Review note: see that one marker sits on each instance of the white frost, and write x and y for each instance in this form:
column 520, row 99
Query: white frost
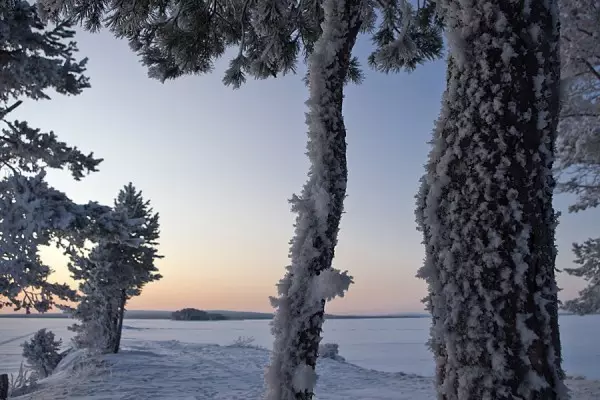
column 305, row 378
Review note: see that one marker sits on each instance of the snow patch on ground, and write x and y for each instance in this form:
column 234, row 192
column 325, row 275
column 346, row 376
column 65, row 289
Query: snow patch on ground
column 182, row 371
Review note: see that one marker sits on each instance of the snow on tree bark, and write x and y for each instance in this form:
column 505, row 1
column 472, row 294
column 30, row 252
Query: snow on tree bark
column 486, row 205
column 300, row 306
column 271, row 37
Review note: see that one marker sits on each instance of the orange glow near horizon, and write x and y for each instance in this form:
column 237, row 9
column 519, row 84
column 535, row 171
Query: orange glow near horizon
column 248, row 289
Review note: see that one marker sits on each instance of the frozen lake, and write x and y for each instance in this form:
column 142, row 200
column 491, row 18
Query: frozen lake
column 389, row 345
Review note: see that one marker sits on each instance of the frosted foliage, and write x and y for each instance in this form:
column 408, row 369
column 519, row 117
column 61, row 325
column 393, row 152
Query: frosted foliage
column 579, row 129
column 38, row 59
column 181, row 37
column 578, row 146
column 34, row 215
column 114, row 272
column 587, row 257
column 485, row 205
column 42, row 353
column 96, row 315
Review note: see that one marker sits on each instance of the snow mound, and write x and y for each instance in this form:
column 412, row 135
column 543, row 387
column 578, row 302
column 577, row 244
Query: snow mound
column 134, row 328
column 178, row 371
column 330, row 350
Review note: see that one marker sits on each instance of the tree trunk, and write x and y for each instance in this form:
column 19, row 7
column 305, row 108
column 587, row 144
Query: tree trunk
column 300, row 307
column 110, row 327
column 487, row 208
column 122, row 302
column 4, row 386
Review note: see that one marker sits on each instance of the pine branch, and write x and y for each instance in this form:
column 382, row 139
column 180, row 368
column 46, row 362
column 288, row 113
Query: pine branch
column 10, row 109
column 591, row 68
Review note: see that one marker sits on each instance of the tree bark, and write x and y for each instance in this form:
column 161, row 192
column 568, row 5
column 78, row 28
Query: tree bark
column 4, row 386
column 300, row 310
column 119, row 331
column 487, row 206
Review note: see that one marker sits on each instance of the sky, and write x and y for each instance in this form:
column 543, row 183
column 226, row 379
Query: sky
column 220, row 164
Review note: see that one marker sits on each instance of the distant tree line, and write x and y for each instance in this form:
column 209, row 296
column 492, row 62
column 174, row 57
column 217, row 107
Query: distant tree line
column 193, row 314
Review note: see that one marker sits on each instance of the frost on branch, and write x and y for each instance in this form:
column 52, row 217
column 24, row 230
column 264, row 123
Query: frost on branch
column 114, row 272
column 35, row 59
column 182, row 37
column 42, row 353
column 485, row 205
column 588, row 258
column 332, row 283
column 578, row 145
column 34, row 215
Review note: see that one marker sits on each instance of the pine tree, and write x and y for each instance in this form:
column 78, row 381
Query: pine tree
column 42, row 353
column 33, row 60
column 587, row 256
column 181, row 37
column 578, row 145
column 115, row 272
column 485, row 205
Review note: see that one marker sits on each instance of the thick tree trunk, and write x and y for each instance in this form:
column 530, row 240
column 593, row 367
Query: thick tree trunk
column 4, row 386
column 300, row 306
column 487, row 205
column 121, row 315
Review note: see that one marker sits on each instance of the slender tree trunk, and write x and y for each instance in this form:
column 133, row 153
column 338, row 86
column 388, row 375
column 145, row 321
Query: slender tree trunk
column 110, row 327
column 487, row 205
column 121, row 314
column 300, row 306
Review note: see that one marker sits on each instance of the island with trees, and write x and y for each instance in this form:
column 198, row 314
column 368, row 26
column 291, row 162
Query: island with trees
column 193, row 314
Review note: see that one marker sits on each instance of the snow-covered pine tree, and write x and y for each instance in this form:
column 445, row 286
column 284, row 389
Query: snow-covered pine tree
column 35, row 59
column 113, row 273
column 485, row 206
column 587, row 256
column 95, row 314
column 185, row 37
column 578, row 145
column 42, row 353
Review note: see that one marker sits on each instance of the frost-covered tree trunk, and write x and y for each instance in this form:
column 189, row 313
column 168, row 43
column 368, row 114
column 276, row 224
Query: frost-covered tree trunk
column 435, row 298
column 303, row 291
column 486, row 204
column 119, row 328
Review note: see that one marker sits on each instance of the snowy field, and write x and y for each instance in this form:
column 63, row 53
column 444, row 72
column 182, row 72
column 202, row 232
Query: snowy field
column 385, row 359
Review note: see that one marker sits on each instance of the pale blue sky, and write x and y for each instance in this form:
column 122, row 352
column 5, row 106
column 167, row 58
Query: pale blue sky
column 219, row 166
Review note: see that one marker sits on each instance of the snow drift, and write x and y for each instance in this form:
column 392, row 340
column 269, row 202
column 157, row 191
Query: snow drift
column 176, row 370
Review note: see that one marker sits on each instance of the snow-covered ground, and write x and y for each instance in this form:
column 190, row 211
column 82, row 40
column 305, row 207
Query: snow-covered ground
column 175, row 370
column 386, row 359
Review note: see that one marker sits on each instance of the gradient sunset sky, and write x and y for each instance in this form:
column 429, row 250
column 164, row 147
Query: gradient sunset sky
column 219, row 166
